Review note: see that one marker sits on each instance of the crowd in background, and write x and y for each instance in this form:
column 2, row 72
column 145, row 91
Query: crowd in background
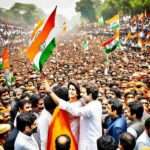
column 121, row 78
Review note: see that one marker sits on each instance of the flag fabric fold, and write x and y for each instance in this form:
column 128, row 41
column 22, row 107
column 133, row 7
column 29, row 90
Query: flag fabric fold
column 112, row 46
column 37, row 27
column 60, row 125
column 4, row 60
column 42, row 56
column 113, row 22
column 41, row 48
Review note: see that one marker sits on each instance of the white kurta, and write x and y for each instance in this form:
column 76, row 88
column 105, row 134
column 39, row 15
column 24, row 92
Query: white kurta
column 90, row 122
column 24, row 142
column 43, row 123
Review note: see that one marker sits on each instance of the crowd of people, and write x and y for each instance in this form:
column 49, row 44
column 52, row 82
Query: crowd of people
column 106, row 96
column 13, row 36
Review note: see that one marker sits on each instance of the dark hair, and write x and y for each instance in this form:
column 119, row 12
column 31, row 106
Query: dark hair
column 106, row 142
column 4, row 90
column 91, row 89
column 25, row 119
column 147, row 123
column 49, row 104
column 65, row 145
column 25, row 95
column 61, row 92
column 76, row 87
column 137, row 109
column 127, row 141
column 116, row 105
column 34, row 100
column 22, row 102
column 117, row 92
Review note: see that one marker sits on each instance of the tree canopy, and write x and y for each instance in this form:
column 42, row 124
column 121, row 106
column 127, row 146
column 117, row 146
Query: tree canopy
column 89, row 9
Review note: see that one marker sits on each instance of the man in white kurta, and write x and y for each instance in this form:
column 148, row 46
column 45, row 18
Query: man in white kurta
column 43, row 123
column 24, row 142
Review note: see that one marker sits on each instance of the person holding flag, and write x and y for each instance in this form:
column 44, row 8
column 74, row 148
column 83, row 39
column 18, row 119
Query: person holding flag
column 90, row 114
column 63, row 122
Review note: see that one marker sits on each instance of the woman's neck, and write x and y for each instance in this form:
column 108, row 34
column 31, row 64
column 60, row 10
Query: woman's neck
column 73, row 99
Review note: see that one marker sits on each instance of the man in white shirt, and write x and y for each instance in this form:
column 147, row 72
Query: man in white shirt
column 44, row 120
column 90, row 115
column 26, row 126
column 144, row 139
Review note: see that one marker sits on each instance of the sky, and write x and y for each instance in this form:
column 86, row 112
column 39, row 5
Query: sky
column 65, row 7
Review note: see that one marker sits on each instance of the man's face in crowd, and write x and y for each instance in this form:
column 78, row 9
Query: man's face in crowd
column 130, row 117
column 109, row 111
column 130, row 98
column 5, row 98
column 18, row 94
column 29, row 130
column 84, row 95
column 110, row 95
column 27, row 107
column 40, row 105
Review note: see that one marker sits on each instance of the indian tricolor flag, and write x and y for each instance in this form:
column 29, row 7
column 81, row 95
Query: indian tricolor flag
column 110, row 45
column 44, row 43
column 4, row 59
column 113, row 22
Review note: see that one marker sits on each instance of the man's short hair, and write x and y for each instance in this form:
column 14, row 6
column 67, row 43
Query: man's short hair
column 25, row 119
column 22, row 102
column 34, row 100
column 106, row 142
column 63, row 142
column 127, row 141
column 49, row 104
column 91, row 89
column 116, row 105
column 147, row 123
column 137, row 109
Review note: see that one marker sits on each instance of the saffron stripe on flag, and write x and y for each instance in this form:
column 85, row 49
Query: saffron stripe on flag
column 35, row 46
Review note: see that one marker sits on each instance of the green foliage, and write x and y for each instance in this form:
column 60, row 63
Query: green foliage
column 26, row 14
column 87, row 10
column 131, row 7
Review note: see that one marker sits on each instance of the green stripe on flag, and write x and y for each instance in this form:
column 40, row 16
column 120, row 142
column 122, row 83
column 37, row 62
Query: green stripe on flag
column 48, row 51
column 114, row 26
column 1, row 63
column 112, row 47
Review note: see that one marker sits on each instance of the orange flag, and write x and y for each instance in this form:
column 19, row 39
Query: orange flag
column 60, row 125
column 5, row 58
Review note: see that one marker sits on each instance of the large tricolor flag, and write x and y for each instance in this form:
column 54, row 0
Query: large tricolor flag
column 4, row 60
column 113, row 22
column 60, row 125
column 42, row 46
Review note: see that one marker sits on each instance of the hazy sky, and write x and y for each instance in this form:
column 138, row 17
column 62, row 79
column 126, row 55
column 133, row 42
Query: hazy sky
column 65, row 7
